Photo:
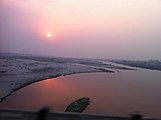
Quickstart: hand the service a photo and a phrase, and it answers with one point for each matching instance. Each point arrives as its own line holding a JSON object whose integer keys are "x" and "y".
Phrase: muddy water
{"x": 111, "y": 93}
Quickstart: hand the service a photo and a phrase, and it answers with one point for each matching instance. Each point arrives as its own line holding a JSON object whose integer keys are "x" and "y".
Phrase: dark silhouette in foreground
{"x": 79, "y": 105}
{"x": 42, "y": 114}
{"x": 136, "y": 116}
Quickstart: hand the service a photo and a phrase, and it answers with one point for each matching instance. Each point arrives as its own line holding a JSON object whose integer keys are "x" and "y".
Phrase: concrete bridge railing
{"x": 45, "y": 114}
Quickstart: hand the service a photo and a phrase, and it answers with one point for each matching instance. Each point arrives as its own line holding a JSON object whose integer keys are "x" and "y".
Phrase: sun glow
{"x": 49, "y": 35}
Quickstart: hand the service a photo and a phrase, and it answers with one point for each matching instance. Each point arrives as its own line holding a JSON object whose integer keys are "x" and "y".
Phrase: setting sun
{"x": 49, "y": 35}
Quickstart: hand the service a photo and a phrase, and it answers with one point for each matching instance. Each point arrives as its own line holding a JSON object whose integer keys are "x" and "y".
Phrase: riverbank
{"x": 150, "y": 64}
{"x": 18, "y": 71}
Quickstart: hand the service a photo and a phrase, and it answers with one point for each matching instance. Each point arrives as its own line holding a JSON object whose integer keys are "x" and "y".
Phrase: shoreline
{"x": 20, "y": 71}
{"x": 39, "y": 80}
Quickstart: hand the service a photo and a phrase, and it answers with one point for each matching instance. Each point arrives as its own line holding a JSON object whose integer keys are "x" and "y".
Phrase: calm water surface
{"x": 111, "y": 93}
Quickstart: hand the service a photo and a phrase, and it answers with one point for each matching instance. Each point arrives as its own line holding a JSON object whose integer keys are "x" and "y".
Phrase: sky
{"x": 112, "y": 29}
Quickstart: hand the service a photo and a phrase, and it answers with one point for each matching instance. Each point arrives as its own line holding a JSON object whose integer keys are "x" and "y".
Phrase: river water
{"x": 117, "y": 93}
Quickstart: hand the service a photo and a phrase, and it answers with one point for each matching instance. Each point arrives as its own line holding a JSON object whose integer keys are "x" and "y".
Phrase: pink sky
{"x": 127, "y": 29}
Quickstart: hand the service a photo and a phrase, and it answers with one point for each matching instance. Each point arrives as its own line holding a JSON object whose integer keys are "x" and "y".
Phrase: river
{"x": 117, "y": 93}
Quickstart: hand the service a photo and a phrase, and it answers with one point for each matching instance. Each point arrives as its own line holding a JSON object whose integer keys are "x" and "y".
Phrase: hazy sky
{"x": 129, "y": 29}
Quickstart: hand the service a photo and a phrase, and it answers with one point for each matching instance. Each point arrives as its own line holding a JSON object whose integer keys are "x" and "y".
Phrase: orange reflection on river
{"x": 111, "y": 94}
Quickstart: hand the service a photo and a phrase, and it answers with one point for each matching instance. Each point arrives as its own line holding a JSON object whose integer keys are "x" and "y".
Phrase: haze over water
{"x": 128, "y": 29}
{"x": 118, "y": 93}
{"x": 112, "y": 29}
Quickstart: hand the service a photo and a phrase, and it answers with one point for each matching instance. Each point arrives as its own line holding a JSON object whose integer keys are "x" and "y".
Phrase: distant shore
{"x": 151, "y": 64}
